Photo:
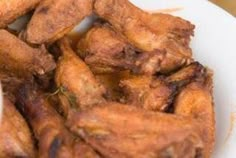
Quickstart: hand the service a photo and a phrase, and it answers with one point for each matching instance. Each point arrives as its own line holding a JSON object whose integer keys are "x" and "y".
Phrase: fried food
{"x": 10, "y": 10}
{"x": 105, "y": 50}
{"x": 187, "y": 74}
{"x": 54, "y": 18}
{"x": 148, "y": 92}
{"x": 54, "y": 140}
{"x": 17, "y": 58}
{"x": 150, "y": 33}
{"x": 116, "y": 130}
{"x": 15, "y": 135}
{"x": 196, "y": 101}
{"x": 79, "y": 88}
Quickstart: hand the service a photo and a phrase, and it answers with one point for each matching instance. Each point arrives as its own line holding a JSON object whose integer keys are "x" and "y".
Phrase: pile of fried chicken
{"x": 130, "y": 88}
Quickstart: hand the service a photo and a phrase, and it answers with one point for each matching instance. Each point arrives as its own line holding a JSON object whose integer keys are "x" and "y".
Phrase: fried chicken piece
{"x": 15, "y": 142}
{"x": 22, "y": 60}
{"x": 104, "y": 50}
{"x": 148, "y": 92}
{"x": 187, "y": 74}
{"x": 116, "y": 130}
{"x": 54, "y": 18}
{"x": 150, "y": 33}
{"x": 196, "y": 101}
{"x": 10, "y": 10}
{"x": 78, "y": 85}
{"x": 54, "y": 140}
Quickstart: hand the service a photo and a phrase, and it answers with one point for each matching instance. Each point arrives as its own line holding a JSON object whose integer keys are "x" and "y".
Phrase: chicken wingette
{"x": 52, "y": 19}
{"x": 15, "y": 135}
{"x": 77, "y": 85}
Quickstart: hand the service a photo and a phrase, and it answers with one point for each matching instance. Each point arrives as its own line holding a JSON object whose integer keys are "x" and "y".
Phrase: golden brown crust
{"x": 117, "y": 130}
{"x": 54, "y": 140}
{"x": 79, "y": 86}
{"x": 54, "y": 18}
{"x": 15, "y": 135}
{"x": 10, "y": 10}
{"x": 18, "y": 58}
{"x": 149, "y": 32}
{"x": 148, "y": 93}
{"x": 196, "y": 101}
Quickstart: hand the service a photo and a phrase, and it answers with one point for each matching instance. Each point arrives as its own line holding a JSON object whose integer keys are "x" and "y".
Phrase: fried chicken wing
{"x": 79, "y": 87}
{"x": 54, "y": 140}
{"x": 148, "y": 92}
{"x": 196, "y": 101}
{"x": 116, "y": 130}
{"x": 148, "y": 32}
{"x": 105, "y": 50}
{"x": 12, "y": 9}
{"x": 22, "y": 60}
{"x": 15, "y": 142}
{"x": 54, "y": 18}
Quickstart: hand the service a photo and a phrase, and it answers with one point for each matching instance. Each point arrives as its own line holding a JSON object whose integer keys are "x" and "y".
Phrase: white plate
{"x": 214, "y": 45}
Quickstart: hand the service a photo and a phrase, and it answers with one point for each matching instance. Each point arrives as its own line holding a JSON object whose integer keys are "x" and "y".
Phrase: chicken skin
{"x": 105, "y": 50}
{"x": 17, "y": 58}
{"x": 170, "y": 35}
{"x": 10, "y": 10}
{"x": 187, "y": 74}
{"x": 148, "y": 92}
{"x": 78, "y": 86}
{"x": 196, "y": 101}
{"x": 121, "y": 131}
{"x": 54, "y": 140}
{"x": 15, "y": 135}
{"x": 54, "y": 18}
